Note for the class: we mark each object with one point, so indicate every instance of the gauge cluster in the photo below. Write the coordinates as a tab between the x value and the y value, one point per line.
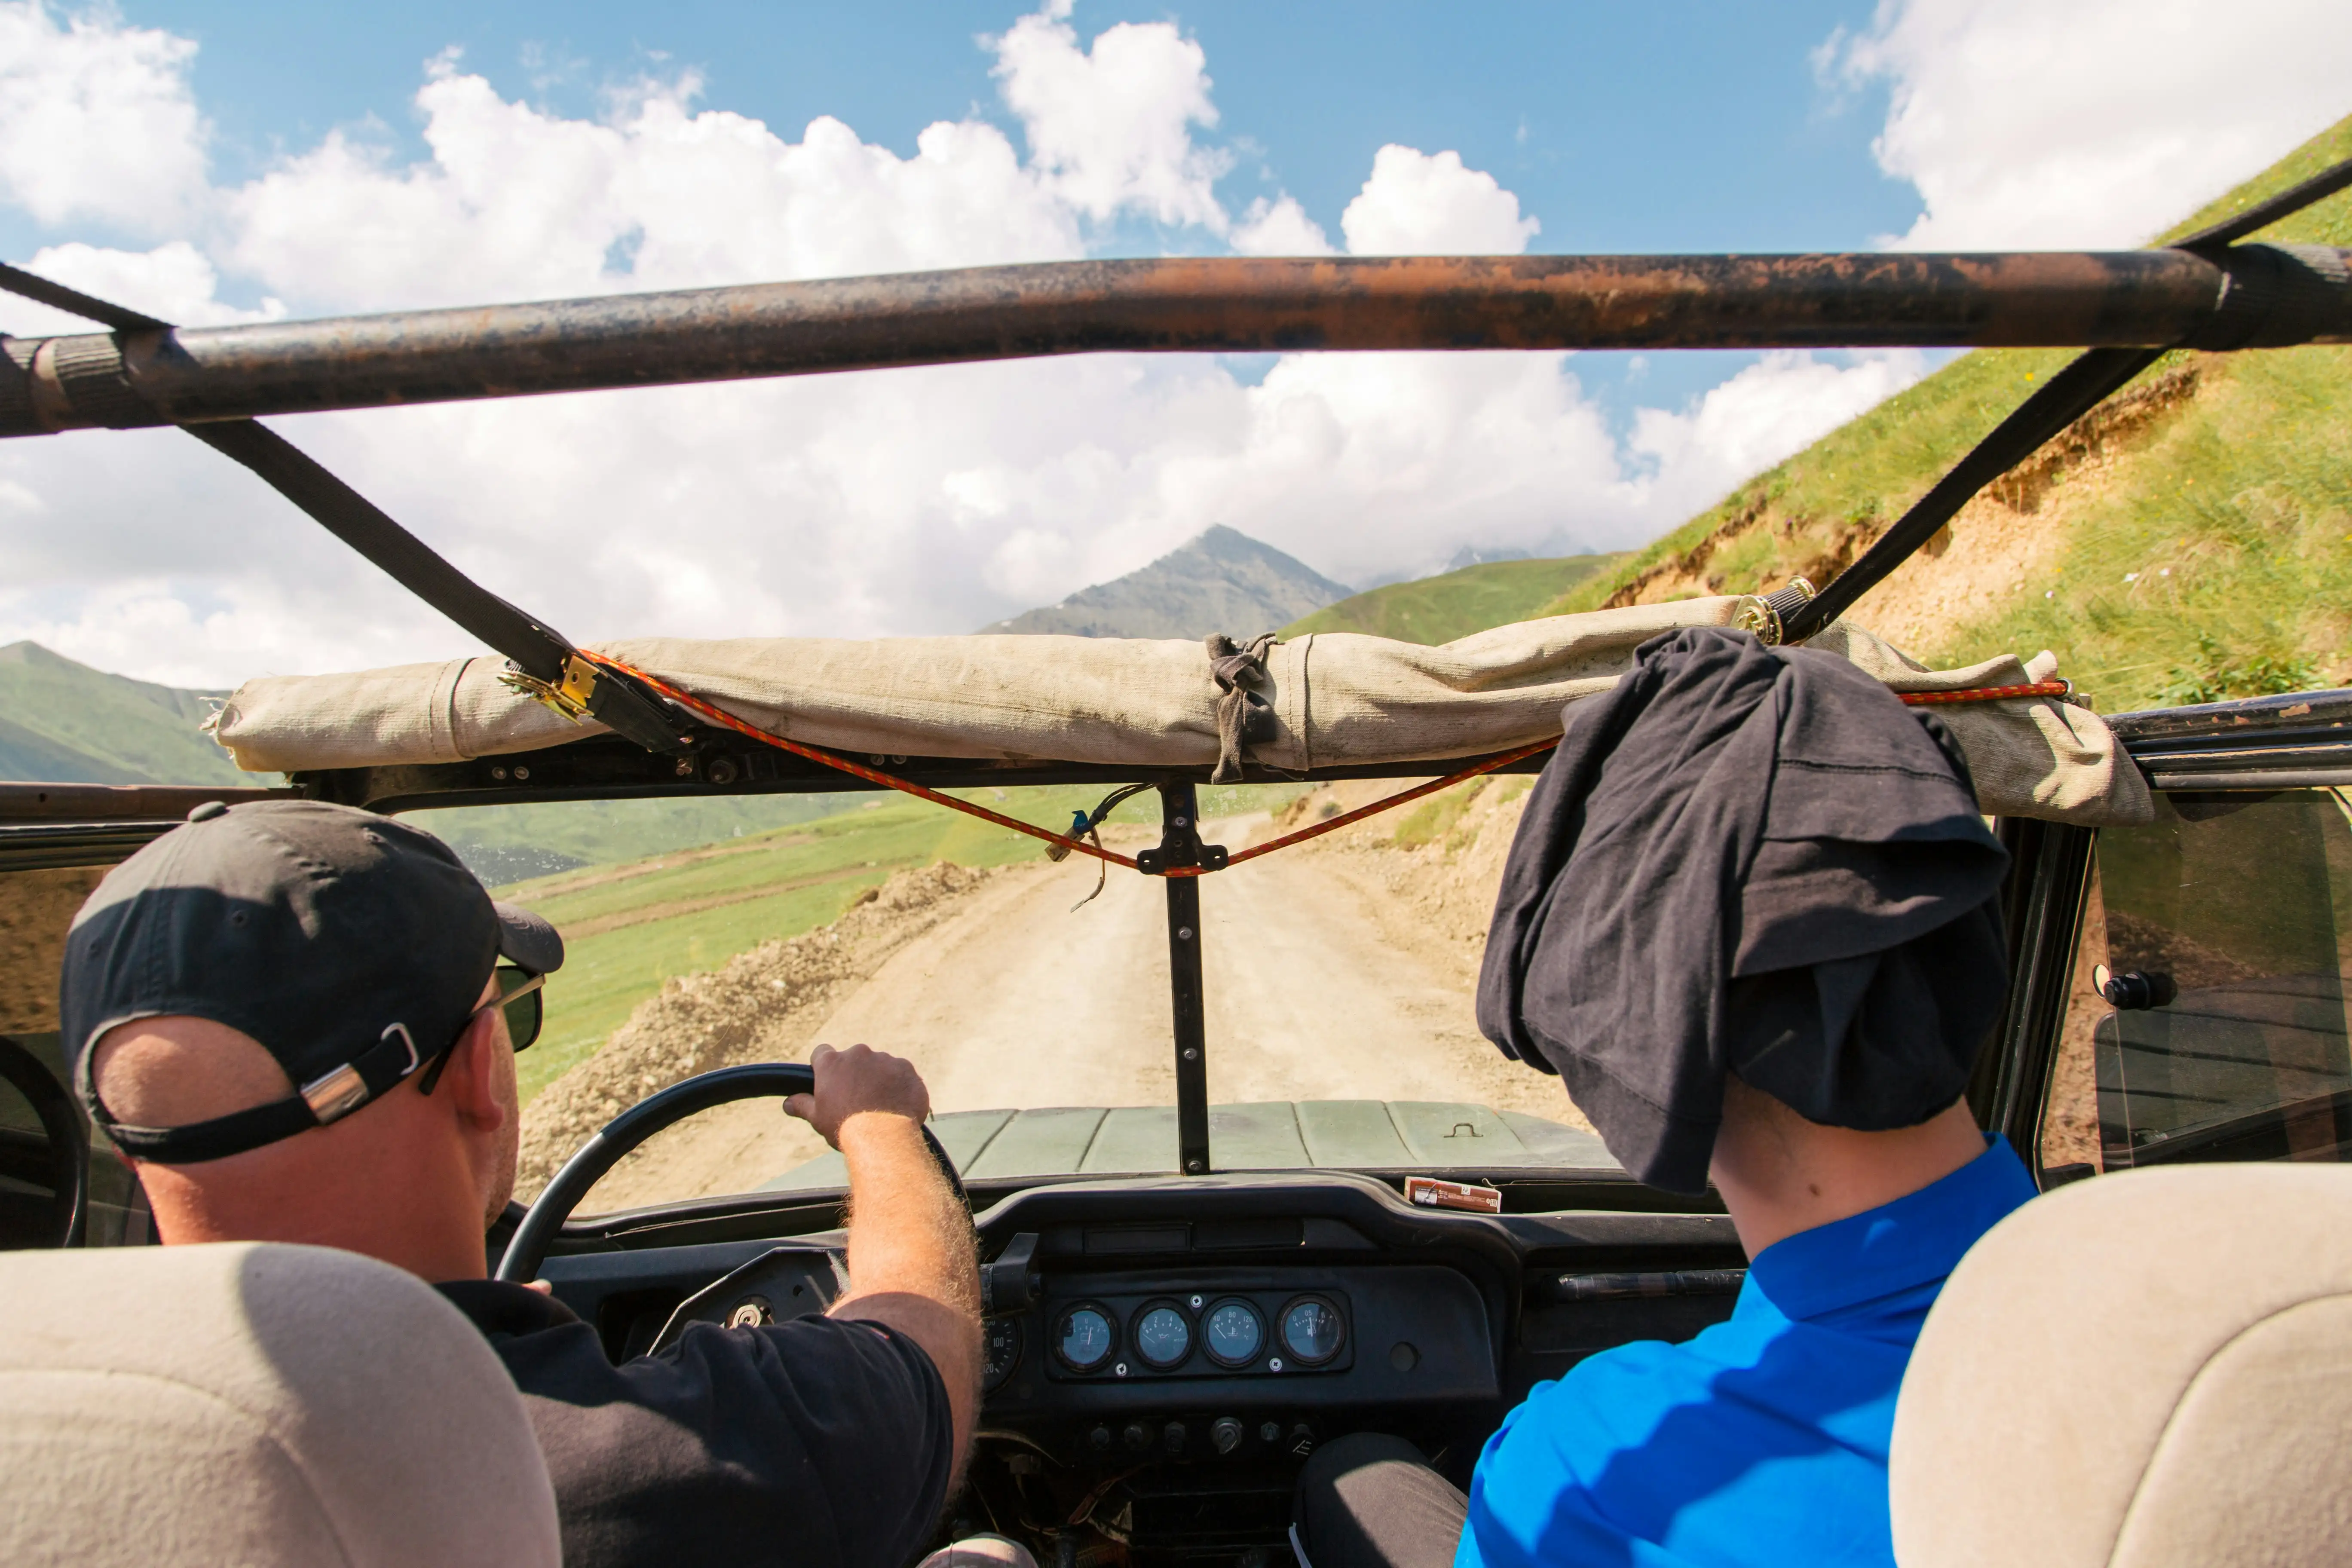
1198	1334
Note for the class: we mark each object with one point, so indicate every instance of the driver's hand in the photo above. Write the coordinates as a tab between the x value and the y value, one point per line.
858	1080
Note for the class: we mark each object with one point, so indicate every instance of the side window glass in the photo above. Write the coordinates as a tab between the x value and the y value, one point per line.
2207	1019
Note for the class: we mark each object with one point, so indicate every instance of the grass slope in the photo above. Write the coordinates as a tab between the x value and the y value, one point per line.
1439	609
63	723
2210	557
631	923
510	843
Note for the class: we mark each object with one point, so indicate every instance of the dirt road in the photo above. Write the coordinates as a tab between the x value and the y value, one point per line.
1317	986
1021	1001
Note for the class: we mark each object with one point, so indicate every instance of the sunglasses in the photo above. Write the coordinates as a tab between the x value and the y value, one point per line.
521	996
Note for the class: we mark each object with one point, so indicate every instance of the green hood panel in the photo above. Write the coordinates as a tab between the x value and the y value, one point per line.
1266	1135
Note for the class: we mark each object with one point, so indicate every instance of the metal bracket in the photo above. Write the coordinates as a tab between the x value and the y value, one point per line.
1764	613
1180	845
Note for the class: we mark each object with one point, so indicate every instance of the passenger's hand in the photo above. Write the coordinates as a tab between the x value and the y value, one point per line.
858	1080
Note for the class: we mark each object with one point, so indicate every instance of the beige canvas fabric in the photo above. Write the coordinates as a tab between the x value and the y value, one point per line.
1338	698
256	1405
2146	1370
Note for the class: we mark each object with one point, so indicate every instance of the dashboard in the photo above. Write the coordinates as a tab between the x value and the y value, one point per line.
1160	1354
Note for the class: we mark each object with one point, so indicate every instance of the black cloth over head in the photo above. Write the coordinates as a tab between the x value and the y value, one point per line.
1754	860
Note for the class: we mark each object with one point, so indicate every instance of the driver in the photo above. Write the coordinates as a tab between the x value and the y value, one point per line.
300	1022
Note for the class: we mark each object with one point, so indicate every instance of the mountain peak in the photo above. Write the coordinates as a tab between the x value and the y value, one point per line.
1223	581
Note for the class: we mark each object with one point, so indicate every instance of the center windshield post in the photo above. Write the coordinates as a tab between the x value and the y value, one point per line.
1180	845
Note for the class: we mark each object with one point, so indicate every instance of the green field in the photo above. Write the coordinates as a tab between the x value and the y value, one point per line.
2211	558
631	921
1439	609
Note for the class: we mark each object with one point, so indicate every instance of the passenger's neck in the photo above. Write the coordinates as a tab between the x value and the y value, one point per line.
1779	1175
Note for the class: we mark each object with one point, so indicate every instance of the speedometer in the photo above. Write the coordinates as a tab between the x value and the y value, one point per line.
1234	1333
1163	1337
1084	1338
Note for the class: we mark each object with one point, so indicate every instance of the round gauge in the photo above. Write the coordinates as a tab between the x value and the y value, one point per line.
1311	1329
1163	1336
1234	1333
999	1351
1085	1339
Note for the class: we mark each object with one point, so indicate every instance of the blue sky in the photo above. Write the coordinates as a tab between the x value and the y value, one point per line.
1690	126
218	163
1634	128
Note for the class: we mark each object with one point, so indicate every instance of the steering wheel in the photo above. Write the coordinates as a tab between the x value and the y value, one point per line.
69	1153
650	1115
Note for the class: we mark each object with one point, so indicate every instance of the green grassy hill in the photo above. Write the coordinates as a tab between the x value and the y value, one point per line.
63	723
1435	610
2206	548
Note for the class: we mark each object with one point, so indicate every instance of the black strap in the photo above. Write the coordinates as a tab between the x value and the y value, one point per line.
619	701
2264	214
333	1097
33	286
2057	403
215	1140
2065	397
351	516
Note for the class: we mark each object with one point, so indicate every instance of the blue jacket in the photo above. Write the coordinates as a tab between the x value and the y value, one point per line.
1763	1441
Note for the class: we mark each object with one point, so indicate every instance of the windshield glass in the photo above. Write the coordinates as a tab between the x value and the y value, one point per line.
1338	981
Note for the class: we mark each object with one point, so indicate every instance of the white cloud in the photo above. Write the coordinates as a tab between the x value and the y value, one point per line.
1770	411
97	120
2095	123
1279	227
517	202
174	282
899	501
1112	127
1416	204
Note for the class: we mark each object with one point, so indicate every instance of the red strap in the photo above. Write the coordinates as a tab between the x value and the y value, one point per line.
719	716
1986	693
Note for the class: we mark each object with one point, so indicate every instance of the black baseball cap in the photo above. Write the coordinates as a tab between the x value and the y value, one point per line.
352	946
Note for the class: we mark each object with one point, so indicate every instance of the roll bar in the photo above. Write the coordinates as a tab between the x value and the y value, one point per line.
2248	296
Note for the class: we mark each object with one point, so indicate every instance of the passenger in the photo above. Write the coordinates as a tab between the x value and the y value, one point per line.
1750	919
284	943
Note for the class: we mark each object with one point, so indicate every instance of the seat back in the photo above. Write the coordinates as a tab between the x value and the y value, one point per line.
256	1405
2148	1370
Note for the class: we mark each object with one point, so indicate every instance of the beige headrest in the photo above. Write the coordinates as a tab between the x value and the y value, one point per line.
254	1405
2143	1370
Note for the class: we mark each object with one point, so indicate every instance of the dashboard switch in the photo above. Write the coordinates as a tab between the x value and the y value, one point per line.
1099	1439
1136	1437
1225	1435
1270	1432
1302	1440
1173	1435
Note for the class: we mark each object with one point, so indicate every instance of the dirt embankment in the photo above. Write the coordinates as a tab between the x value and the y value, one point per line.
2002	547
762	1005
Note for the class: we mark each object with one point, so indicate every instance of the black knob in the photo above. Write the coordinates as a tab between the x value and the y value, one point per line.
1226	1434
1136	1437
1099	1439
1173	1435
1270	1432
1302	1439
2134	991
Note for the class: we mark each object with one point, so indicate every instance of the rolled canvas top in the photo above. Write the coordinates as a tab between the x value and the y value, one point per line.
1338	698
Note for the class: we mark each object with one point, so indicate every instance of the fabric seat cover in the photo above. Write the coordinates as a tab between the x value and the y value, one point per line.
2147	1370
256	1405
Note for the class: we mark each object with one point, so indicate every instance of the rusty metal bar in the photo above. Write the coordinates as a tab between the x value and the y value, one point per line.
2251	296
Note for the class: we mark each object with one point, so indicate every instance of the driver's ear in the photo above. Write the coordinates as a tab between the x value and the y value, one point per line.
472	1080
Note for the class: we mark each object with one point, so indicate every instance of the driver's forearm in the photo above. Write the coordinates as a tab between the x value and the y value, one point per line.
912	1261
